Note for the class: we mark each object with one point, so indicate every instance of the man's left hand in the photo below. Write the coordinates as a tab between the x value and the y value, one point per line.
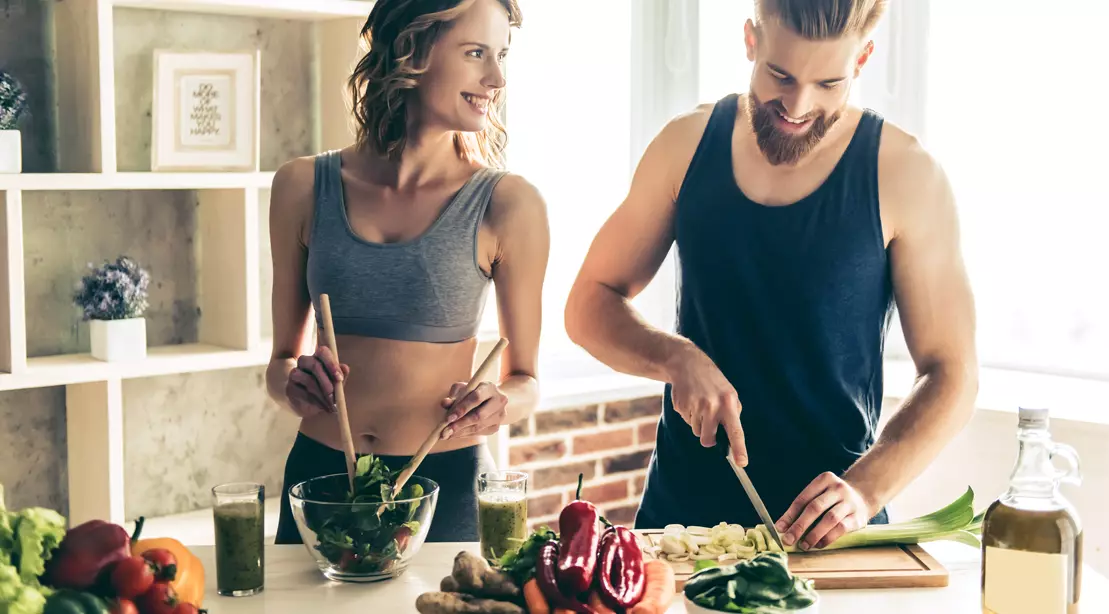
838	506
482	412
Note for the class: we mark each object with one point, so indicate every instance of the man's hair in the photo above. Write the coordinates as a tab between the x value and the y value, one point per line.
397	38
823	19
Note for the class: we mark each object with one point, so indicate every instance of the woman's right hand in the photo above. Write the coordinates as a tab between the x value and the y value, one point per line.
311	385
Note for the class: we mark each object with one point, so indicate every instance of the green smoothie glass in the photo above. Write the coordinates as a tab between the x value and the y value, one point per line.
239	516
502	511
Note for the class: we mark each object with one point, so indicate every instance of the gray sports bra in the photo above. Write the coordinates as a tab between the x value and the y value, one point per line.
429	288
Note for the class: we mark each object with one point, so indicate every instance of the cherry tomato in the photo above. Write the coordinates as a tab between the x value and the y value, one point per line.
349	560
124	606
160	599
132	577
165	563
402	536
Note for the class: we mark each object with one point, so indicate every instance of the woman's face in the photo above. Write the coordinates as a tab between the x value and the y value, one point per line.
465	70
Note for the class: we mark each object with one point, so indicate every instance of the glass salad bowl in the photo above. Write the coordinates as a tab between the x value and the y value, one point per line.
350	539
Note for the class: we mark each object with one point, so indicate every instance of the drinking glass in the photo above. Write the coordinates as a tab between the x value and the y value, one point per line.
239	516
502	511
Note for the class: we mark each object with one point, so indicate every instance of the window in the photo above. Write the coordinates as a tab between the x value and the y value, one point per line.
568	96
722	62
1017	123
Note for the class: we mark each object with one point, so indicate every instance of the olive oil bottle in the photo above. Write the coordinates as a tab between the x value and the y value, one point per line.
1032	536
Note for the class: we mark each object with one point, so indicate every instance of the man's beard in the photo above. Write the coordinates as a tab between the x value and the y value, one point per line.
780	147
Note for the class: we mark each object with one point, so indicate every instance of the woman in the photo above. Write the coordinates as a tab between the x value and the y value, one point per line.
405	230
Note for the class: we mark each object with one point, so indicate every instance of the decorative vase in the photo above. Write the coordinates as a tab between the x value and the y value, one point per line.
118	340
11	152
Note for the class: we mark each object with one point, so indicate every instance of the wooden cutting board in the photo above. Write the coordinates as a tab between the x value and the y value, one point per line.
904	566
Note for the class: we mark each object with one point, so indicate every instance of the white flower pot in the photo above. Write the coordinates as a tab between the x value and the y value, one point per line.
11	152
118	340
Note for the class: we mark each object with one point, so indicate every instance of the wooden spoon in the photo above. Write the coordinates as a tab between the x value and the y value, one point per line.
478	377
340	398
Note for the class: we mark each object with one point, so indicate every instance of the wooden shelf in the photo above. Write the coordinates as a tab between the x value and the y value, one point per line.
230	252
164	360
307	10
32	182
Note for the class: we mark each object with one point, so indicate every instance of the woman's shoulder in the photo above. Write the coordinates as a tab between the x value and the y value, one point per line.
516	202
292	194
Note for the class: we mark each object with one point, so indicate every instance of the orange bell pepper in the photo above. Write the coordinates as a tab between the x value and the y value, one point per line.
189	581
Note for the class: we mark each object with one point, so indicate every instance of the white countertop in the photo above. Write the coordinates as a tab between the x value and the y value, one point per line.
294	585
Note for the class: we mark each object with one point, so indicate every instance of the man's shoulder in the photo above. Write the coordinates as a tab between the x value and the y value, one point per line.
672	150
902	156
911	180
689	126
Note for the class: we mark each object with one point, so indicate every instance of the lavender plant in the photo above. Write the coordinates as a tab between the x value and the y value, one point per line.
13	101
114	291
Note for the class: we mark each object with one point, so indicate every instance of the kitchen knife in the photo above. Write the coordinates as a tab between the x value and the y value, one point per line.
753	495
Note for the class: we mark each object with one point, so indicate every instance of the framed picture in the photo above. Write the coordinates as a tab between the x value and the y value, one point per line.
206	111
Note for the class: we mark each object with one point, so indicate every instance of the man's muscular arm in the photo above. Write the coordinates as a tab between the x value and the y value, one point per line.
624	257
937	315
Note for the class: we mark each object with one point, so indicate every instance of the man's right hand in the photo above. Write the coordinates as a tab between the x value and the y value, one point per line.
705	399
311	385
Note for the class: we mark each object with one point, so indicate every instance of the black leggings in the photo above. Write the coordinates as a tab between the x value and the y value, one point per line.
455	472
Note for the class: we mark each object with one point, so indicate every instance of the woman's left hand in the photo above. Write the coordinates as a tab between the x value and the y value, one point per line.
481	412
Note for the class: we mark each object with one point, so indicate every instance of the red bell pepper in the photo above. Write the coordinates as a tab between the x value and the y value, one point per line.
621	577
548	583
578	542
87	551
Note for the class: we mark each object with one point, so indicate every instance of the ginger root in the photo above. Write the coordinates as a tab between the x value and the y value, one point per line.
473	575
462	603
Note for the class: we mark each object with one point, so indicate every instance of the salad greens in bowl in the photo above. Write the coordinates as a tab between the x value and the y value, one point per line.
366	535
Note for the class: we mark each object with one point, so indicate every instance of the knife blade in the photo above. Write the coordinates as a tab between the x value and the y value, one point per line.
756	500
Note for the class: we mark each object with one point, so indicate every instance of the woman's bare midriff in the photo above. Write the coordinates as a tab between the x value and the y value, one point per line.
394	394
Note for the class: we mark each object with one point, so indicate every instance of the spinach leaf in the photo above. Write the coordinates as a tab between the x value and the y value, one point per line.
757	585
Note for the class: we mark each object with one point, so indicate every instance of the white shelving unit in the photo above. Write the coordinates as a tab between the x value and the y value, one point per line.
228	227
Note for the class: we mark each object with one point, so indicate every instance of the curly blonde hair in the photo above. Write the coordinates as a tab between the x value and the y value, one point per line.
397	39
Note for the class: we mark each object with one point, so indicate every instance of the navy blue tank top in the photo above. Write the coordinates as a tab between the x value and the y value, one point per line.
792	303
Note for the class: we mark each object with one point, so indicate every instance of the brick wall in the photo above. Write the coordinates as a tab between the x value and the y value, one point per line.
610	444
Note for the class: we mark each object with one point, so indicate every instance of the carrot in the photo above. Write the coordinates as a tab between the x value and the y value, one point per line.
533	597
599	606
658	588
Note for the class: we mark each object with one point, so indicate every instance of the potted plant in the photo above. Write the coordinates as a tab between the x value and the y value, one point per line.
112	300
13	104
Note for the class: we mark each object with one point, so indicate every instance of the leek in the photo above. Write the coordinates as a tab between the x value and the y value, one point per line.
731	542
954	522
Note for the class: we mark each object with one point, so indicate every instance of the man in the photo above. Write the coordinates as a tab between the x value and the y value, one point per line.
799	220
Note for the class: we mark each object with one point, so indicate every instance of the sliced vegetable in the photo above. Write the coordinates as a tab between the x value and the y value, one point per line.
723	543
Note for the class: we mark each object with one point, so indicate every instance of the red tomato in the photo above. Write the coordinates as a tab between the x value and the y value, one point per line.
164	562
131	577
124	606
160	599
